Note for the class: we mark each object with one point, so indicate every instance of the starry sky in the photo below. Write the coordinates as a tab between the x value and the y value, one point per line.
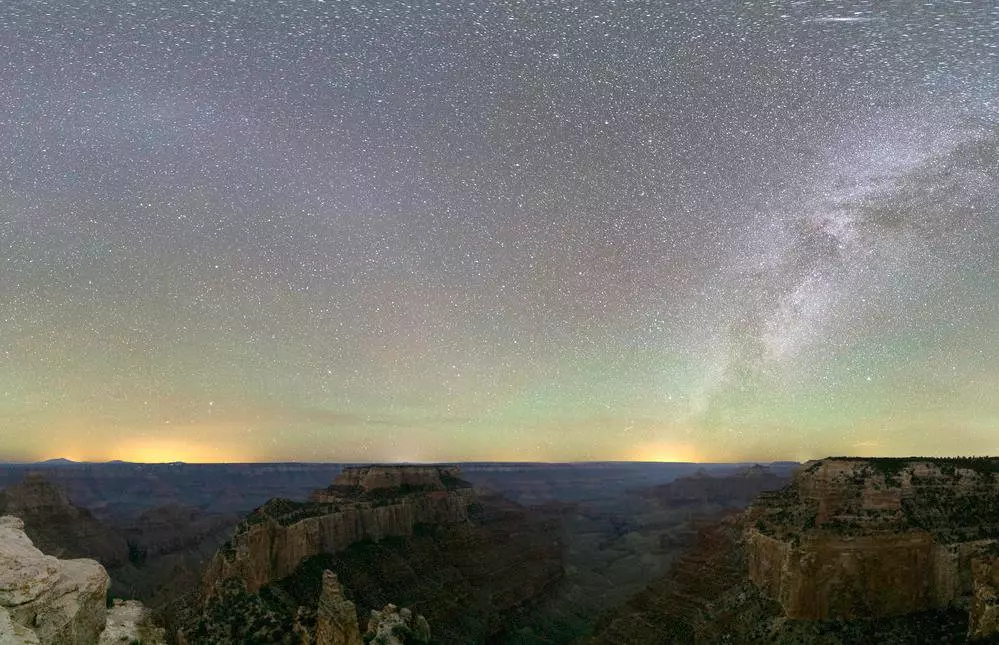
249	230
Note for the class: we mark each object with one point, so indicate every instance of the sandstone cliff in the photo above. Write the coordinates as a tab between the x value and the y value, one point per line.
336	617
853	538
467	559
278	536
47	601
853	551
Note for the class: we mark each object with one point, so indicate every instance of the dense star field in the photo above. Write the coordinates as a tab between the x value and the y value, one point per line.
503	230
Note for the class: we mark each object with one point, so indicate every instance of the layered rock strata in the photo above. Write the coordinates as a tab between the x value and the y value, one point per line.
336	617
278	536
984	615
61	601
854	538
47	601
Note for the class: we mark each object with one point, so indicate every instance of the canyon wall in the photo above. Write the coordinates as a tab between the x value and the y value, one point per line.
270	546
59	528
468	559
854	538
845	578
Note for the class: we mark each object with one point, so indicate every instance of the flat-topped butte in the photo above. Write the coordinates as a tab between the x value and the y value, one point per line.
855	537
955	499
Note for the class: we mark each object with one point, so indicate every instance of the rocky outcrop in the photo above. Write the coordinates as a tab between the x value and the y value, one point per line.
281	534
336	620
59	528
394	626
336	617
984	616
47	601
278	536
60	601
129	622
860	538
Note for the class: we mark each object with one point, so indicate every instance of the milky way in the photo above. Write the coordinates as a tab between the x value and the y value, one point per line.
498	230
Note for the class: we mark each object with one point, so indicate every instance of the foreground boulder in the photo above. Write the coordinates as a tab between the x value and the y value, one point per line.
61	601
47	601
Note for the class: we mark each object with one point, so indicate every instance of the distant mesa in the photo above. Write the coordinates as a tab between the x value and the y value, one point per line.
405	478
736	490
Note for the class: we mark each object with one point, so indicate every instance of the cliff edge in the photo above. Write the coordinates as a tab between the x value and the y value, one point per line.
47	601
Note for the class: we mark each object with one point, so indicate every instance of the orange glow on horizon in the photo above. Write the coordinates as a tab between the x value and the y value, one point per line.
665	452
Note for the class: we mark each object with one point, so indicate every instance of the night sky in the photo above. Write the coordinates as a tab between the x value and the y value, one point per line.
257	230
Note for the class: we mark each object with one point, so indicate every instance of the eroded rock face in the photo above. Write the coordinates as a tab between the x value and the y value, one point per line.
468	559
336	617
854	538
827	577
394	626
984	618
12	633
281	534
61	601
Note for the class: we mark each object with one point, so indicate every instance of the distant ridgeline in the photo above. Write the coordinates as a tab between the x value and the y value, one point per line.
419	536
862	537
